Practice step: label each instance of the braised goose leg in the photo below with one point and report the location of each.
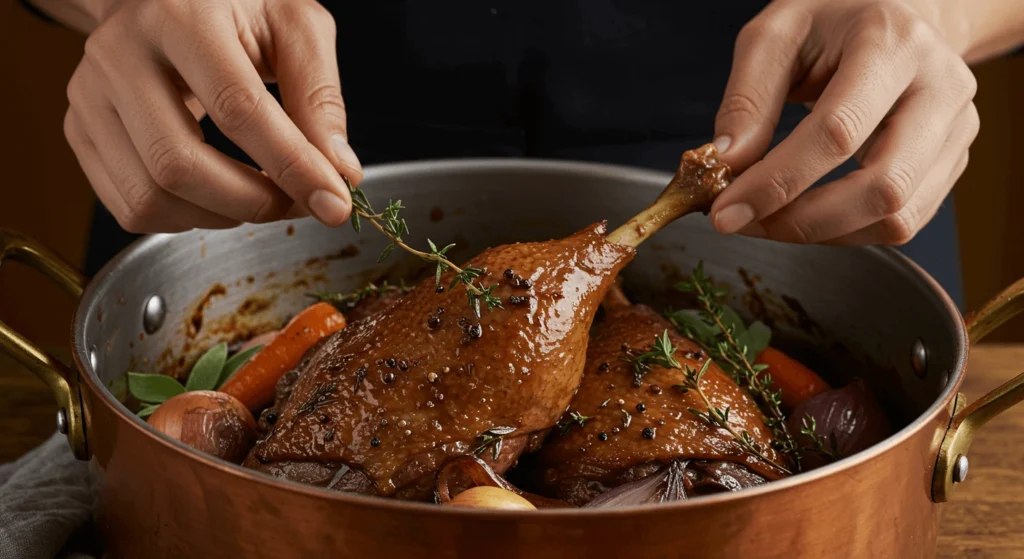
(381, 405)
(639, 424)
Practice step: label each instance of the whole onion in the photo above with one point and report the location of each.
(851, 414)
(484, 496)
(211, 422)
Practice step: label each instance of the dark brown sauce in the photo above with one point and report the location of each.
(195, 321)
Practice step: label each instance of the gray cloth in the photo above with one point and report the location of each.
(45, 498)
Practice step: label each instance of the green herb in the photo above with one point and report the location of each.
(575, 418)
(153, 389)
(389, 223)
(662, 354)
(232, 365)
(209, 373)
(809, 428)
(734, 348)
(206, 372)
(346, 301)
(148, 410)
(492, 438)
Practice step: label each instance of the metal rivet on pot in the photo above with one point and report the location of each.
(62, 421)
(94, 360)
(153, 314)
(960, 468)
(919, 358)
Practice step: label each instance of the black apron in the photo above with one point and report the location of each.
(631, 82)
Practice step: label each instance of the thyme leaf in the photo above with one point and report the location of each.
(394, 227)
(662, 353)
(733, 348)
(574, 418)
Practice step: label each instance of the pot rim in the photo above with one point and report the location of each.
(514, 165)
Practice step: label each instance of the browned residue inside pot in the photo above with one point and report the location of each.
(195, 321)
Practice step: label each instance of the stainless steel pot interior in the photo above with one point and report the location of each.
(872, 305)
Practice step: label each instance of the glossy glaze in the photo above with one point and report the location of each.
(391, 398)
(610, 397)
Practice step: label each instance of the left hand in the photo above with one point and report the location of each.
(887, 89)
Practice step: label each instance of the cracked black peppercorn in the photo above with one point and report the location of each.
(271, 417)
(648, 433)
(655, 389)
(517, 300)
(390, 362)
(475, 331)
(641, 407)
(375, 442)
(509, 274)
(602, 436)
(403, 365)
(603, 367)
(433, 322)
(440, 289)
(389, 377)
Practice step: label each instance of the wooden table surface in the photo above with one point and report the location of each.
(985, 518)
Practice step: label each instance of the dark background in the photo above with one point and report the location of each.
(45, 195)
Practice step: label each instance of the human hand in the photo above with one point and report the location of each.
(888, 89)
(142, 149)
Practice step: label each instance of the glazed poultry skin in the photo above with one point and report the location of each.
(637, 424)
(382, 404)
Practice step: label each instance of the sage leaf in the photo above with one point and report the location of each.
(732, 320)
(148, 410)
(153, 389)
(756, 337)
(691, 322)
(235, 363)
(206, 372)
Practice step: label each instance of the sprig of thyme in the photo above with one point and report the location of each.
(345, 301)
(394, 227)
(493, 438)
(808, 429)
(662, 354)
(733, 356)
(575, 418)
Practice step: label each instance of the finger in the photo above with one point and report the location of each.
(89, 161)
(307, 74)
(766, 61)
(891, 172)
(149, 207)
(900, 227)
(866, 85)
(169, 140)
(216, 67)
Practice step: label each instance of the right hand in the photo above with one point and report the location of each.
(132, 120)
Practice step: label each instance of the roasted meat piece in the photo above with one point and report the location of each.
(384, 403)
(638, 423)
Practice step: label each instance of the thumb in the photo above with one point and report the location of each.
(307, 75)
(765, 61)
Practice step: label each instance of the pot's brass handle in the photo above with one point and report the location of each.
(62, 380)
(951, 466)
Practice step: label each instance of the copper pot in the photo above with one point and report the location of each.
(173, 295)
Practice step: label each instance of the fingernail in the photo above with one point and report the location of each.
(733, 218)
(344, 152)
(722, 143)
(755, 230)
(327, 207)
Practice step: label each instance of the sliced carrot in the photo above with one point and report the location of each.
(797, 382)
(254, 383)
